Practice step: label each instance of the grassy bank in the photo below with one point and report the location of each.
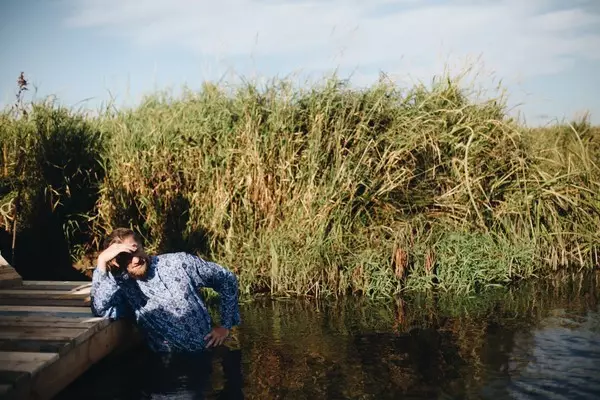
(322, 191)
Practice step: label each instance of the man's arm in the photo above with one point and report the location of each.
(106, 296)
(224, 282)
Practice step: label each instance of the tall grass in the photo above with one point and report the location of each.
(49, 180)
(330, 190)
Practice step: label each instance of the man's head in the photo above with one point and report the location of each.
(136, 263)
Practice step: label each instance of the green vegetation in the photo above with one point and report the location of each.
(321, 191)
(461, 343)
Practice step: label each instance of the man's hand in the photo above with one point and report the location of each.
(111, 252)
(216, 337)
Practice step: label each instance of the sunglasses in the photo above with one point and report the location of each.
(123, 259)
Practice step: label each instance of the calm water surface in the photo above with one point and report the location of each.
(537, 342)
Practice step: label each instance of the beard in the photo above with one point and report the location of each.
(140, 270)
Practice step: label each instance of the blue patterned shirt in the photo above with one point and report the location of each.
(166, 305)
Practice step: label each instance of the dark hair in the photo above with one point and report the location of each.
(118, 235)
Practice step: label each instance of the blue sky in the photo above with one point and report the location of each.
(545, 52)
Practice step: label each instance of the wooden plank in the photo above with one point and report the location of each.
(49, 336)
(52, 285)
(119, 334)
(44, 317)
(45, 302)
(25, 361)
(82, 314)
(7, 270)
(44, 297)
(69, 323)
(59, 323)
(8, 276)
(60, 341)
(18, 368)
(57, 283)
(17, 333)
(76, 296)
(25, 357)
(10, 281)
(44, 309)
(35, 294)
(21, 338)
(36, 318)
(47, 286)
(40, 346)
(49, 381)
(41, 294)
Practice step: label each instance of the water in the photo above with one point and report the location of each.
(537, 342)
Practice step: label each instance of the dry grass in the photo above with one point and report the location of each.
(330, 190)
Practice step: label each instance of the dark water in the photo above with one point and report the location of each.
(536, 342)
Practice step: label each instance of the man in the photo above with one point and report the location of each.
(161, 294)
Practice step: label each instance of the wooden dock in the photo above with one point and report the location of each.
(48, 335)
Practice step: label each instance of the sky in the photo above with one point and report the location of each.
(545, 54)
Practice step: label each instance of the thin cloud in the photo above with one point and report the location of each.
(516, 39)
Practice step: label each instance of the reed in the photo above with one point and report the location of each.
(328, 190)
(49, 167)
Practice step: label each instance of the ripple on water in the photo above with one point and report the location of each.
(559, 361)
(354, 350)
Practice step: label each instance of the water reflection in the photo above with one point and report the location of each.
(140, 374)
(535, 342)
(560, 360)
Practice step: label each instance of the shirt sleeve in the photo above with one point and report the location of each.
(107, 299)
(214, 276)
